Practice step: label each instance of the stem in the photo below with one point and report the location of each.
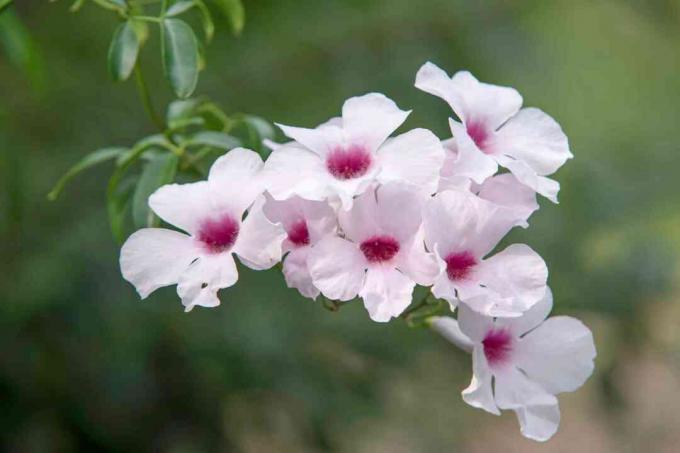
(147, 19)
(146, 99)
(416, 307)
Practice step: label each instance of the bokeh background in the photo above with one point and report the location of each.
(85, 365)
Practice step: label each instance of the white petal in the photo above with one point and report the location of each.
(370, 119)
(291, 170)
(539, 422)
(183, 205)
(259, 242)
(479, 394)
(386, 293)
(415, 157)
(532, 317)
(460, 221)
(513, 390)
(507, 191)
(547, 187)
(235, 178)
(337, 267)
(296, 273)
(534, 138)
(472, 324)
(472, 162)
(155, 257)
(558, 354)
(416, 262)
(448, 328)
(320, 141)
(199, 284)
(470, 99)
(518, 274)
(318, 215)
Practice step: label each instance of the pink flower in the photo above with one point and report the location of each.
(381, 256)
(522, 363)
(494, 130)
(462, 229)
(211, 212)
(345, 156)
(305, 223)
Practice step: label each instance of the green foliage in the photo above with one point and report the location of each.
(234, 12)
(123, 51)
(180, 56)
(158, 171)
(4, 4)
(20, 47)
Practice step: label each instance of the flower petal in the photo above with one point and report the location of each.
(448, 328)
(518, 274)
(337, 267)
(155, 257)
(479, 394)
(235, 179)
(414, 157)
(296, 273)
(370, 119)
(386, 293)
(513, 390)
(183, 205)
(531, 318)
(291, 170)
(558, 354)
(259, 242)
(471, 162)
(505, 190)
(539, 422)
(472, 324)
(198, 286)
(547, 187)
(321, 140)
(416, 262)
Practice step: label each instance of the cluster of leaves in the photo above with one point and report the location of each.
(194, 132)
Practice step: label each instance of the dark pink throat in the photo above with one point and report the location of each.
(459, 265)
(479, 134)
(348, 163)
(497, 346)
(298, 233)
(218, 235)
(379, 249)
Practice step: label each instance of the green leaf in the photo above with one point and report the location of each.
(180, 56)
(92, 159)
(179, 7)
(160, 170)
(21, 50)
(123, 51)
(234, 12)
(117, 203)
(4, 4)
(181, 109)
(206, 17)
(262, 127)
(214, 139)
(75, 7)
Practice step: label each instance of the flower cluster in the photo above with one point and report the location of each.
(353, 211)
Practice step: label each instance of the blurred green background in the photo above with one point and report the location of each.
(85, 365)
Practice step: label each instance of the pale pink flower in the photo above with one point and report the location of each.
(345, 156)
(211, 212)
(381, 256)
(462, 229)
(495, 130)
(305, 223)
(522, 363)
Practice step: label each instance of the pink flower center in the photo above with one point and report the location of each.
(479, 134)
(218, 235)
(459, 265)
(379, 248)
(298, 233)
(348, 163)
(497, 346)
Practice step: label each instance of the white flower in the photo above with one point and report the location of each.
(343, 157)
(382, 255)
(522, 363)
(461, 229)
(211, 212)
(305, 223)
(494, 130)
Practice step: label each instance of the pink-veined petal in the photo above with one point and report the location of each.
(199, 284)
(291, 170)
(414, 157)
(296, 273)
(471, 162)
(558, 354)
(155, 257)
(416, 262)
(386, 293)
(337, 267)
(235, 179)
(479, 393)
(259, 243)
(183, 205)
(369, 119)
